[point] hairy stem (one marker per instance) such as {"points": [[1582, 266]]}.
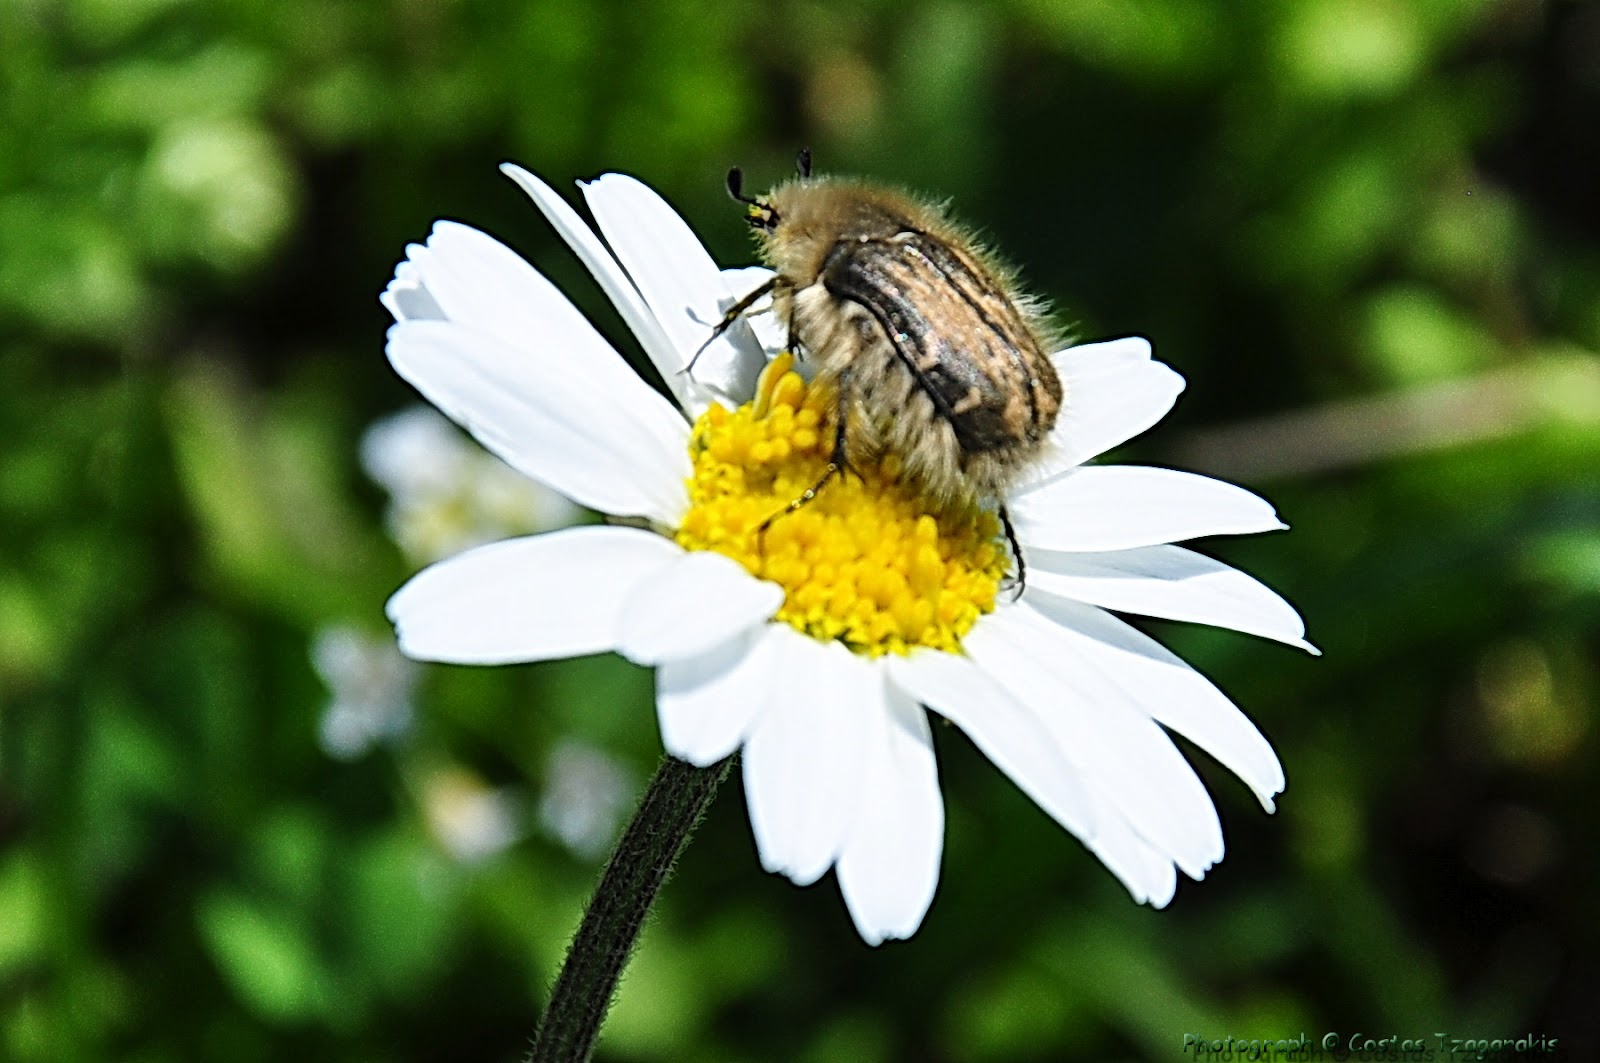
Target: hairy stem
{"points": [[671, 808]]}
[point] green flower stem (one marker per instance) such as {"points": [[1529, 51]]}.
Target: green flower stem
{"points": [[671, 808]]}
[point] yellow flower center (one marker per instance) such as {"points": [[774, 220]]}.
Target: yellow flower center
{"points": [[866, 561]]}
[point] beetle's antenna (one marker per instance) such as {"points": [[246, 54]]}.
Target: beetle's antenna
{"points": [[736, 186]]}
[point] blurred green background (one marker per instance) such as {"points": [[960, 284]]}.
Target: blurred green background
{"points": [[234, 826]]}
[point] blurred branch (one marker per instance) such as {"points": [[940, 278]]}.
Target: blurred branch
{"points": [[1550, 390]]}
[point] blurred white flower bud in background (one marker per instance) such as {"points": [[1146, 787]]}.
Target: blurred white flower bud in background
{"points": [[586, 794], [470, 819], [372, 687], [446, 493]]}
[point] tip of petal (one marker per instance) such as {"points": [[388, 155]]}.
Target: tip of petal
{"points": [[1133, 348], [1175, 380], [525, 179], [617, 184], [874, 938], [530, 184], [407, 297], [876, 932], [800, 876]]}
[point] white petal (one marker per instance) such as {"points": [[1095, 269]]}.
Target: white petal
{"points": [[407, 298], [746, 279], [1172, 692], [1148, 875], [618, 449], [1113, 391], [1100, 729], [479, 282], [1169, 582], [733, 379], [771, 333], [613, 279], [706, 704], [679, 281], [803, 757], [1008, 734], [693, 605], [530, 599], [889, 867], [1125, 352], [728, 370], [1117, 507]]}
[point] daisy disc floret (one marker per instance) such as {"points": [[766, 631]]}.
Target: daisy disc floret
{"points": [[815, 639], [864, 561]]}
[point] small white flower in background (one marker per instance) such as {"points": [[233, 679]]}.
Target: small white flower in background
{"points": [[372, 686], [815, 647], [470, 819], [447, 495], [586, 794]]}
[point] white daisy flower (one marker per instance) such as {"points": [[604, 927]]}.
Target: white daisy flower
{"points": [[815, 647]]}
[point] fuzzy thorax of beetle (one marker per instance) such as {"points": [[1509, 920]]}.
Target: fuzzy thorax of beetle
{"points": [[935, 356]]}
